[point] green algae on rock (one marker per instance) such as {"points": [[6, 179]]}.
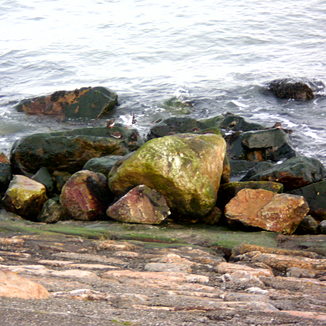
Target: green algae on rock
{"points": [[185, 168]]}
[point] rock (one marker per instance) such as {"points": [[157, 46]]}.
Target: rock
{"points": [[15, 286], [230, 268], [228, 190], [25, 197], [52, 212], [293, 173], [60, 178], [87, 102], [177, 105], [102, 164], [240, 167], [43, 176], [140, 205], [267, 210], [257, 168], [291, 89], [260, 145], [322, 227], [308, 226], [213, 217], [175, 125], [70, 150], [185, 168], [85, 196], [5, 172], [315, 195]]}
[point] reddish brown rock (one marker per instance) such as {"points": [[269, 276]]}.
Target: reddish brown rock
{"points": [[85, 195], [25, 197], [267, 210], [140, 205], [15, 286], [90, 102]]}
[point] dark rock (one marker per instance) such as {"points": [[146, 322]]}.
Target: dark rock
{"points": [[293, 173], [102, 164], [226, 173], [70, 150], [87, 102], [85, 196], [60, 178], [140, 205], [291, 89], [256, 169], [5, 173], [25, 197], [213, 218], [315, 195], [322, 227], [308, 226], [43, 176], [261, 145], [177, 105], [229, 190], [52, 212], [241, 167], [267, 210], [232, 122]]}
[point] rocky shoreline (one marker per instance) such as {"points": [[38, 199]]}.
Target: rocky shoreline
{"points": [[222, 175]]}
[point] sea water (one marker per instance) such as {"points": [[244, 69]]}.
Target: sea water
{"points": [[216, 54]]}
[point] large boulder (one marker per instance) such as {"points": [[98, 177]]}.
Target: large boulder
{"points": [[70, 150], [25, 197], [185, 168], [315, 195], [87, 102], [291, 89], [85, 196], [5, 172], [293, 173], [267, 210], [140, 205]]}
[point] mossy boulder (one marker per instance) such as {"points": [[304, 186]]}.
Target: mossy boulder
{"points": [[25, 197], [70, 150], [185, 168], [87, 102]]}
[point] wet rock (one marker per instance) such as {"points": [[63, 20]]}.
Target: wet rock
{"points": [[322, 227], [267, 210], [5, 172], [293, 173], [308, 226], [140, 205], [102, 164], [227, 122], [15, 286], [52, 212], [85, 196], [260, 145], [228, 190], [43, 176], [257, 168], [70, 150], [240, 167], [177, 105], [315, 195], [87, 102], [291, 89], [25, 197], [186, 169]]}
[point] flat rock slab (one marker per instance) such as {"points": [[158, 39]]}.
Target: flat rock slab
{"points": [[129, 282]]}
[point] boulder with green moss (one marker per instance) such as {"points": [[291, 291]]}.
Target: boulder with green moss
{"points": [[87, 102], [70, 150], [25, 197], [185, 168]]}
